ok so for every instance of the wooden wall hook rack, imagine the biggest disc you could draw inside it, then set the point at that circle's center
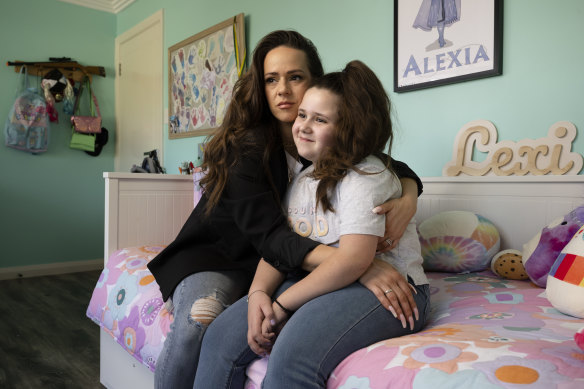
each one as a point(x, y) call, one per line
point(70, 69)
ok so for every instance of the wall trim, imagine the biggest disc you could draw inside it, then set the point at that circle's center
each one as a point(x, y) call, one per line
point(111, 6)
point(8, 273)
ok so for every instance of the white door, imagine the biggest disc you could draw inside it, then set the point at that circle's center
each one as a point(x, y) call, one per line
point(139, 99)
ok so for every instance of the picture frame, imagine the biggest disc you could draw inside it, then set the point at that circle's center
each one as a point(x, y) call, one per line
point(440, 42)
point(202, 71)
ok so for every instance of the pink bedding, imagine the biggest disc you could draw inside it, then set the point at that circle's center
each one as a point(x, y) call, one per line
point(127, 304)
point(485, 332)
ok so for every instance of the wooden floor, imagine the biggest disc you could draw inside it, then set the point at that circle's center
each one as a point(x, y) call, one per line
point(46, 341)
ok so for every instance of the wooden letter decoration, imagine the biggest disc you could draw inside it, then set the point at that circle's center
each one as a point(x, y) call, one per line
point(549, 155)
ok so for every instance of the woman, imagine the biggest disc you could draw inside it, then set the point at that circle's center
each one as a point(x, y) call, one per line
point(239, 219)
point(343, 121)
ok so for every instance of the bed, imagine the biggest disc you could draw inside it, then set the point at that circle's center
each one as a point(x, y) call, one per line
point(484, 331)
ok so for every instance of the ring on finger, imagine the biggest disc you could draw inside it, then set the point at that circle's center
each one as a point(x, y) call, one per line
point(389, 242)
point(388, 291)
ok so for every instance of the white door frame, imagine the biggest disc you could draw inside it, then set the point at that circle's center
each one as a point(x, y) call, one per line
point(152, 20)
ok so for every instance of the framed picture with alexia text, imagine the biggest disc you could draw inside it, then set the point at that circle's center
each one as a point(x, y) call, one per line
point(440, 42)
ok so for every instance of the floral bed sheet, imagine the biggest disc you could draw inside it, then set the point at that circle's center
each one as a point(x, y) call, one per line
point(127, 304)
point(484, 332)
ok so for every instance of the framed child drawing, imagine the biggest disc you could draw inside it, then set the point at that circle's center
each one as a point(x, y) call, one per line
point(202, 71)
point(439, 42)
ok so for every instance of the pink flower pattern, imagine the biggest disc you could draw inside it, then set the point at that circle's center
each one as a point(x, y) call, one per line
point(484, 332)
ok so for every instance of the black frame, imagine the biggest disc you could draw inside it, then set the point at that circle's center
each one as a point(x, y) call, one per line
point(497, 69)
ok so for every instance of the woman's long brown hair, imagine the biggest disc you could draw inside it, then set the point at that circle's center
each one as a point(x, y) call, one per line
point(249, 112)
point(364, 126)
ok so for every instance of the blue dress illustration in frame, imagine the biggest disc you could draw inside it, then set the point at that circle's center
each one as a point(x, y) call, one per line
point(439, 14)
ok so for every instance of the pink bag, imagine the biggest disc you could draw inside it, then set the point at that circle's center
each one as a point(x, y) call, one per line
point(86, 124)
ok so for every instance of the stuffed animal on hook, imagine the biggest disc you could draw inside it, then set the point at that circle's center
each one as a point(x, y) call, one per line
point(53, 84)
point(56, 82)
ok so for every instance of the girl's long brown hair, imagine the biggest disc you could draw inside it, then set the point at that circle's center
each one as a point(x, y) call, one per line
point(248, 117)
point(364, 126)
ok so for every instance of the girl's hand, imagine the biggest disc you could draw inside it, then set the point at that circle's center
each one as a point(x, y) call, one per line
point(272, 327)
point(398, 213)
point(259, 309)
point(280, 318)
point(392, 290)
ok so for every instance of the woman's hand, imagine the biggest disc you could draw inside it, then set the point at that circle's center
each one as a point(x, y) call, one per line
point(272, 327)
point(392, 290)
point(259, 309)
point(398, 213)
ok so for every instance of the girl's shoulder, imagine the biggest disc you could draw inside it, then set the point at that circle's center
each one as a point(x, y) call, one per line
point(372, 164)
point(371, 172)
point(369, 184)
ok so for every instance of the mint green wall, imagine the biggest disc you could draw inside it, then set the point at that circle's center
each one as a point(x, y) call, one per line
point(52, 205)
point(542, 80)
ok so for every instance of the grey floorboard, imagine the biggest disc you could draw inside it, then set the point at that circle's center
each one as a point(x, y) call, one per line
point(46, 341)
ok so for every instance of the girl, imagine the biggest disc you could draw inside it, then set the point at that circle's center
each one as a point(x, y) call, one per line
point(239, 218)
point(318, 319)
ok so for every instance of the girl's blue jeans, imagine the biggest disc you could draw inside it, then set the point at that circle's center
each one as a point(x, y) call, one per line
point(322, 333)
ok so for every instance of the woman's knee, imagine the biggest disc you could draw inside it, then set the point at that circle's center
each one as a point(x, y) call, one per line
point(207, 302)
point(205, 309)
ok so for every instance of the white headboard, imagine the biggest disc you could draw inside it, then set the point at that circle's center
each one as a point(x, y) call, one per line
point(145, 209)
point(518, 206)
point(150, 209)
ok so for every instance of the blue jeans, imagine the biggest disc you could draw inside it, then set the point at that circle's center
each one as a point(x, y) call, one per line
point(196, 300)
point(322, 333)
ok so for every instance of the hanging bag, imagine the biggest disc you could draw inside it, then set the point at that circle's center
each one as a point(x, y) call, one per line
point(81, 137)
point(27, 126)
point(87, 124)
point(85, 142)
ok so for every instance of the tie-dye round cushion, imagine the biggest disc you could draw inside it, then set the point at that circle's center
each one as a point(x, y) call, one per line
point(458, 241)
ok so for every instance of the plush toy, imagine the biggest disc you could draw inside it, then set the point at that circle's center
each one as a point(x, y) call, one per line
point(565, 282)
point(458, 241)
point(542, 250)
point(509, 264)
point(56, 82)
